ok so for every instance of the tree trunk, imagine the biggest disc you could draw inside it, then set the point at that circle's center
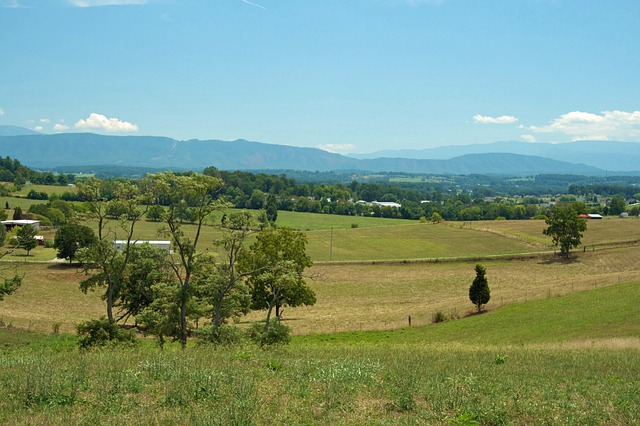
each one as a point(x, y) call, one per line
point(183, 315)
point(217, 313)
point(266, 323)
point(110, 289)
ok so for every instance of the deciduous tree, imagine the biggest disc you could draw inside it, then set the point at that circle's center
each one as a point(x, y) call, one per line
point(8, 284)
point(218, 279)
point(617, 205)
point(102, 256)
point(565, 227)
point(26, 238)
point(199, 193)
point(279, 259)
point(69, 238)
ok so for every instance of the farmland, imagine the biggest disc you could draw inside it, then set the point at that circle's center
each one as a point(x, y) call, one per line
point(560, 343)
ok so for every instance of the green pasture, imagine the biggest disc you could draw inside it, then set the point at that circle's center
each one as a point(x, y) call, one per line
point(38, 254)
point(411, 241)
point(49, 189)
point(318, 221)
point(549, 361)
point(377, 241)
point(23, 203)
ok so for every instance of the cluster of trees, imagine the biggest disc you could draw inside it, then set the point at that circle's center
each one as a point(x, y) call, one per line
point(255, 191)
point(419, 198)
point(11, 170)
point(9, 283)
point(170, 294)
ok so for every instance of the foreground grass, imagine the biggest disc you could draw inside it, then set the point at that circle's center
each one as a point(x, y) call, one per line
point(418, 384)
point(573, 359)
point(518, 365)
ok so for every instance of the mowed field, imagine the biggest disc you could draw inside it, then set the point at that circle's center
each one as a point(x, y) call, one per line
point(359, 291)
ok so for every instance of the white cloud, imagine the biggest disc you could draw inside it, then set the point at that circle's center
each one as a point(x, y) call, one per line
point(100, 122)
point(60, 127)
point(528, 138)
point(12, 4)
point(38, 128)
point(45, 120)
point(253, 4)
point(95, 3)
point(430, 2)
point(503, 119)
point(337, 148)
point(608, 125)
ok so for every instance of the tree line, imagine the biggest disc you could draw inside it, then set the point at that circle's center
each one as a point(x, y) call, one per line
point(11, 170)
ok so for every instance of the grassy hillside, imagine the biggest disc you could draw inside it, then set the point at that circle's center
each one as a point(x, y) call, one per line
point(603, 317)
point(477, 368)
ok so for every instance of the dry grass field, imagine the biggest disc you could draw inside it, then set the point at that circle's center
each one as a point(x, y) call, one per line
point(352, 297)
point(50, 295)
point(382, 296)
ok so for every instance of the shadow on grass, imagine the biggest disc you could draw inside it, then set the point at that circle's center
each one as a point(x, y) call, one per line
point(473, 313)
point(64, 266)
point(559, 260)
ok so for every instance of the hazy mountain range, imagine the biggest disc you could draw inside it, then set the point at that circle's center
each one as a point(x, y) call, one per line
point(42, 151)
point(606, 155)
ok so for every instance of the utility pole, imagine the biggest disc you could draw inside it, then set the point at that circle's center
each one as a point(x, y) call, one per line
point(331, 245)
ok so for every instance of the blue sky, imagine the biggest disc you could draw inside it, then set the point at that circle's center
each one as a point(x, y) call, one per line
point(342, 75)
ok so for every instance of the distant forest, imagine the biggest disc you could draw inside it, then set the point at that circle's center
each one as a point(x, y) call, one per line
point(455, 197)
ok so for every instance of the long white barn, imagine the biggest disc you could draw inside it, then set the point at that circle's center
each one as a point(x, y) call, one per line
point(10, 224)
point(163, 244)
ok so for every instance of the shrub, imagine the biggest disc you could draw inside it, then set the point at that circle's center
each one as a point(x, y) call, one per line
point(278, 334)
point(439, 316)
point(44, 221)
point(225, 335)
point(354, 225)
point(102, 332)
point(35, 195)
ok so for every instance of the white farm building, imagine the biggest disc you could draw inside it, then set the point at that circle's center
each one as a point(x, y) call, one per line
point(120, 244)
point(10, 224)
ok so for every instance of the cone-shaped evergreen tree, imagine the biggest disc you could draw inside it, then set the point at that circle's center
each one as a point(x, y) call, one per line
point(17, 213)
point(479, 291)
